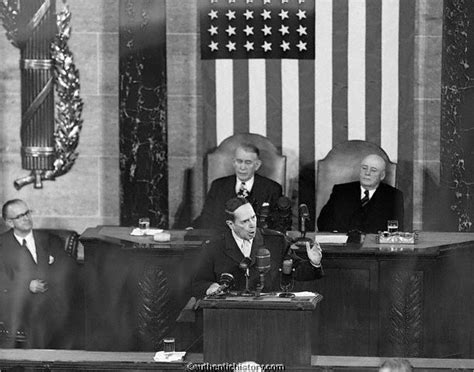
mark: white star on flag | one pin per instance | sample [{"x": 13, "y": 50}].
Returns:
[
  {"x": 284, "y": 30},
  {"x": 230, "y": 45},
  {"x": 301, "y": 14},
  {"x": 301, "y": 30},
  {"x": 248, "y": 14},
  {"x": 266, "y": 14},
  {"x": 285, "y": 45},
  {"x": 248, "y": 30},
  {"x": 267, "y": 30},
  {"x": 267, "y": 46},
  {"x": 301, "y": 45},
  {"x": 230, "y": 30},
  {"x": 231, "y": 1},
  {"x": 284, "y": 1},
  {"x": 213, "y": 14},
  {"x": 213, "y": 30},
  {"x": 230, "y": 14},
  {"x": 300, "y": 1},
  {"x": 213, "y": 46},
  {"x": 283, "y": 14},
  {"x": 249, "y": 1},
  {"x": 248, "y": 45}
]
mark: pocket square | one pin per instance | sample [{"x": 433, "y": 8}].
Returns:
[{"x": 51, "y": 260}]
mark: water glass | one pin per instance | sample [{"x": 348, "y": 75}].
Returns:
[
  {"x": 169, "y": 345},
  {"x": 392, "y": 226},
  {"x": 144, "y": 223}
]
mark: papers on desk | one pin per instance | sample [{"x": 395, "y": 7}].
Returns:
[
  {"x": 331, "y": 238},
  {"x": 139, "y": 232},
  {"x": 175, "y": 356}
]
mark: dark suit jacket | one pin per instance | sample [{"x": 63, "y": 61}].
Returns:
[
  {"x": 40, "y": 315},
  {"x": 223, "y": 189},
  {"x": 343, "y": 211},
  {"x": 222, "y": 255}
]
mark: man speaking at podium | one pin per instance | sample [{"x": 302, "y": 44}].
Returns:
[{"x": 227, "y": 252}]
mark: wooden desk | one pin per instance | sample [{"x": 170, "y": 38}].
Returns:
[{"x": 407, "y": 300}]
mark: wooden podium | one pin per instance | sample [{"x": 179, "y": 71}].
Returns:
[{"x": 265, "y": 329}]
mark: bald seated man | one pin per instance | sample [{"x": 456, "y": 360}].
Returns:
[{"x": 365, "y": 205}]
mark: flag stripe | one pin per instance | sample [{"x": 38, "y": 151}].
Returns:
[
  {"x": 274, "y": 101},
  {"x": 224, "y": 99},
  {"x": 340, "y": 60},
  {"x": 389, "y": 110},
  {"x": 290, "y": 121},
  {"x": 208, "y": 72},
  {"x": 306, "y": 187},
  {"x": 241, "y": 96},
  {"x": 373, "y": 70},
  {"x": 257, "y": 97},
  {"x": 323, "y": 79},
  {"x": 356, "y": 70}
]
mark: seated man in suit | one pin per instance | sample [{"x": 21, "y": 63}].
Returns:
[
  {"x": 365, "y": 205},
  {"x": 245, "y": 182},
  {"x": 243, "y": 239},
  {"x": 34, "y": 268}
]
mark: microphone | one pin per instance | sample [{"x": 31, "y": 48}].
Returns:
[
  {"x": 244, "y": 266},
  {"x": 226, "y": 280},
  {"x": 303, "y": 215},
  {"x": 287, "y": 280},
  {"x": 281, "y": 218},
  {"x": 263, "y": 266},
  {"x": 263, "y": 215}
]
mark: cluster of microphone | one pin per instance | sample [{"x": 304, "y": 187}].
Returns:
[{"x": 262, "y": 264}]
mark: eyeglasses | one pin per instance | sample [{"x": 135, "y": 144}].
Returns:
[{"x": 21, "y": 215}]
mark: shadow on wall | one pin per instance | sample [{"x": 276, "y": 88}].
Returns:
[
  {"x": 183, "y": 216},
  {"x": 437, "y": 199}
]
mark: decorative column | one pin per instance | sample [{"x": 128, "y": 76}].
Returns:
[{"x": 143, "y": 121}]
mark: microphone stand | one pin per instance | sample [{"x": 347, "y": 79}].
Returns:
[
  {"x": 246, "y": 292},
  {"x": 301, "y": 241},
  {"x": 260, "y": 285}
]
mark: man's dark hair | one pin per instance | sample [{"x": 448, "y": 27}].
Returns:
[
  {"x": 231, "y": 205},
  {"x": 249, "y": 147},
  {"x": 7, "y": 205}
]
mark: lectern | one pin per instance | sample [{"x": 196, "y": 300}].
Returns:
[{"x": 264, "y": 329}]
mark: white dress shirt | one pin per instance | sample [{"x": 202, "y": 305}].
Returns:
[
  {"x": 244, "y": 245},
  {"x": 362, "y": 191},
  {"x": 30, "y": 244},
  {"x": 248, "y": 184}
]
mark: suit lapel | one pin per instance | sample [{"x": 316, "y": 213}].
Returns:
[
  {"x": 41, "y": 249},
  {"x": 231, "y": 249}
]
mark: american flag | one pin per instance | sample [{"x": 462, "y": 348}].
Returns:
[
  {"x": 354, "y": 80},
  {"x": 257, "y": 29}
]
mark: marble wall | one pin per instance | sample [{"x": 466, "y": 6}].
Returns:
[{"x": 89, "y": 194}]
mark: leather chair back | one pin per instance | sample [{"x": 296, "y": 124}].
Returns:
[
  {"x": 219, "y": 162},
  {"x": 342, "y": 164}
]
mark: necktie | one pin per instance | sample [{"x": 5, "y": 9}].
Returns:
[
  {"x": 246, "y": 248},
  {"x": 365, "y": 199},
  {"x": 243, "y": 190}
]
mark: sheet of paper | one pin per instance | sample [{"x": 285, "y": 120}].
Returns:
[{"x": 331, "y": 238}]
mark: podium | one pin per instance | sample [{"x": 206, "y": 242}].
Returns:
[{"x": 265, "y": 329}]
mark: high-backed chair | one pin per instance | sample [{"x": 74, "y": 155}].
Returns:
[
  {"x": 342, "y": 164},
  {"x": 219, "y": 162}
]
